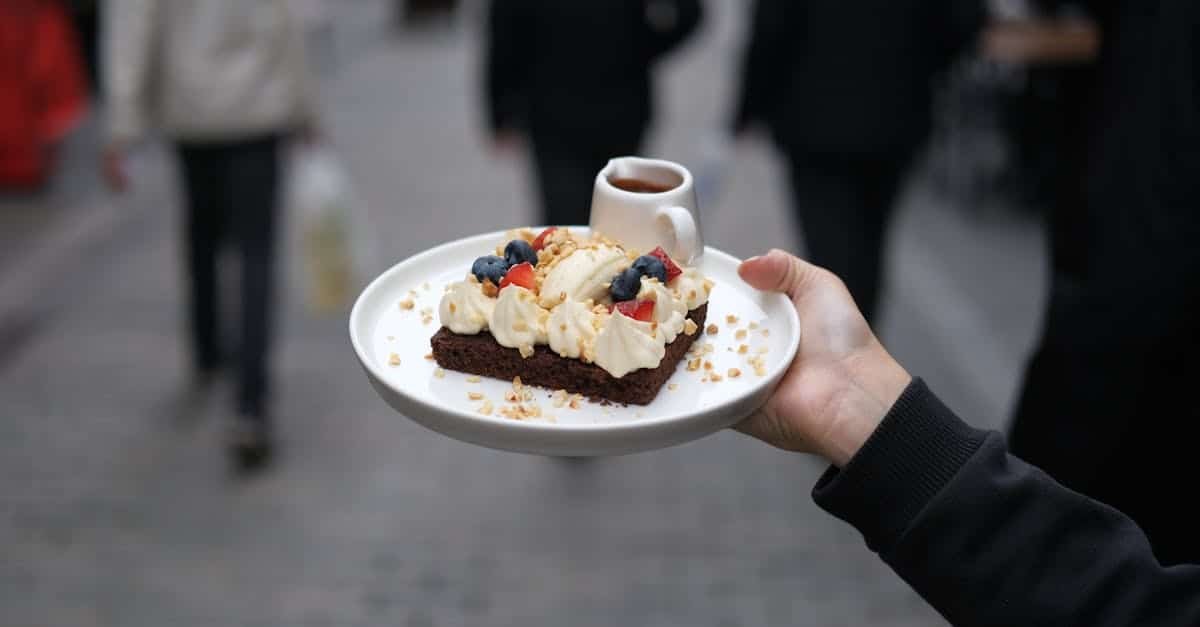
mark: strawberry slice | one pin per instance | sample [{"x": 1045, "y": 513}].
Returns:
[
  {"x": 540, "y": 240},
  {"x": 637, "y": 309},
  {"x": 672, "y": 269},
  {"x": 520, "y": 274}
]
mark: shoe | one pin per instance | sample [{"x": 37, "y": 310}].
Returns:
[{"x": 250, "y": 442}]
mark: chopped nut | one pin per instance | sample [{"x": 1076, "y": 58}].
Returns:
[
  {"x": 489, "y": 289},
  {"x": 516, "y": 383},
  {"x": 439, "y": 373},
  {"x": 693, "y": 365},
  {"x": 753, "y": 326},
  {"x": 429, "y": 356},
  {"x": 741, "y": 334},
  {"x": 574, "y": 401},
  {"x": 734, "y": 373},
  {"x": 708, "y": 365},
  {"x": 731, "y": 319},
  {"x": 393, "y": 359},
  {"x": 742, "y": 349},
  {"x": 766, "y": 332},
  {"x": 559, "y": 398},
  {"x": 711, "y": 329},
  {"x": 475, "y": 396},
  {"x": 426, "y": 319},
  {"x": 486, "y": 408},
  {"x": 689, "y": 327},
  {"x": 407, "y": 304},
  {"x": 762, "y": 350},
  {"x": 473, "y": 379},
  {"x": 562, "y": 297},
  {"x": 512, "y": 396},
  {"x": 562, "y": 327},
  {"x": 526, "y": 351},
  {"x": 672, "y": 386},
  {"x": 760, "y": 371},
  {"x": 714, "y": 377},
  {"x": 453, "y": 307}
]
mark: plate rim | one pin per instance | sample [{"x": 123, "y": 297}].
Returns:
[{"x": 535, "y": 427}]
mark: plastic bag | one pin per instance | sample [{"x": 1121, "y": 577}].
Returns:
[{"x": 322, "y": 200}]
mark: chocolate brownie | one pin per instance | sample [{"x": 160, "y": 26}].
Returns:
[{"x": 480, "y": 354}]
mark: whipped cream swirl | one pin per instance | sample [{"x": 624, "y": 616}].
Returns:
[
  {"x": 624, "y": 345},
  {"x": 572, "y": 330},
  {"x": 464, "y": 309},
  {"x": 518, "y": 321}
]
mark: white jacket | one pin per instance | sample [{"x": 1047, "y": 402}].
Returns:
[{"x": 204, "y": 69}]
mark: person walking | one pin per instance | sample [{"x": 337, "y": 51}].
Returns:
[
  {"x": 574, "y": 78},
  {"x": 844, "y": 88},
  {"x": 227, "y": 82}
]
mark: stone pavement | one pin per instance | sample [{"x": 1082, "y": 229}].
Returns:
[{"x": 115, "y": 507}]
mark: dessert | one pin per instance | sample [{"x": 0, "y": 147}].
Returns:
[{"x": 574, "y": 313}]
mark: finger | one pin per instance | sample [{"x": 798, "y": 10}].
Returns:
[{"x": 777, "y": 271}]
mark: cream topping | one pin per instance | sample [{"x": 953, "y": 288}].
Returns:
[
  {"x": 572, "y": 330},
  {"x": 669, "y": 312},
  {"x": 585, "y": 273},
  {"x": 517, "y": 320},
  {"x": 464, "y": 309},
  {"x": 692, "y": 288},
  {"x": 624, "y": 345}
]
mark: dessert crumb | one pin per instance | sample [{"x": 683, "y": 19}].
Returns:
[
  {"x": 712, "y": 329},
  {"x": 439, "y": 373},
  {"x": 693, "y": 364},
  {"x": 731, "y": 319},
  {"x": 762, "y": 350},
  {"x": 575, "y": 400},
  {"x": 559, "y": 398},
  {"x": 393, "y": 359},
  {"x": 526, "y": 351},
  {"x": 714, "y": 377},
  {"x": 407, "y": 304},
  {"x": 429, "y": 356},
  {"x": 475, "y": 396},
  {"x": 486, "y": 408},
  {"x": 740, "y": 335},
  {"x": 672, "y": 386},
  {"x": 689, "y": 327},
  {"x": 743, "y": 349},
  {"x": 708, "y": 365},
  {"x": 426, "y": 319},
  {"x": 753, "y": 326},
  {"x": 766, "y": 332},
  {"x": 734, "y": 373},
  {"x": 473, "y": 379}
]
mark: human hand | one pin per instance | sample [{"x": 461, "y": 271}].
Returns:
[
  {"x": 113, "y": 169},
  {"x": 842, "y": 381},
  {"x": 506, "y": 142}
]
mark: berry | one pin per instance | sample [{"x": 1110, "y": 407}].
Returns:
[
  {"x": 627, "y": 285},
  {"x": 489, "y": 268},
  {"x": 520, "y": 274},
  {"x": 519, "y": 251},
  {"x": 540, "y": 241},
  {"x": 672, "y": 269},
  {"x": 651, "y": 266},
  {"x": 637, "y": 309}
]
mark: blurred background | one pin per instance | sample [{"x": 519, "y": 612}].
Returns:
[{"x": 116, "y": 508}]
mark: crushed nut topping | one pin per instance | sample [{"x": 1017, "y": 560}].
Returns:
[
  {"x": 485, "y": 408},
  {"x": 473, "y": 379},
  {"x": 407, "y": 304},
  {"x": 731, "y": 319},
  {"x": 741, "y": 334},
  {"x": 393, "y": 359},
  {"x": 734, "y": 373},
  {"x": 689, "y": 327},
  {"x": 712, "y": 329},
  {"x": 475, "y": 396},
  {"x": 743, "y": 349}
]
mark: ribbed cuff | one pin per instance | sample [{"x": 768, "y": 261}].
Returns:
[{"x": 917, "y": 449}]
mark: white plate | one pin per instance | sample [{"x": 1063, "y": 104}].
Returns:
[{"x": 380, "y": 327}]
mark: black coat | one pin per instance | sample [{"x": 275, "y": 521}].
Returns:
[
  {"x": 850, "y": 77},
  {"x": 578, "y": 68},
  {"x": 988, "y": 540}
]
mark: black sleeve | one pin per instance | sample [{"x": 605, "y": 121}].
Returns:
[
  {"x": 765, "y": 61},
  {"x": 989, "y": 540},
  {"x": 506, "y": 69},
  {"x": 669, "y": 23}
]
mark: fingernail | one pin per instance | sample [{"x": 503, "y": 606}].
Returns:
[{"x": 754, "y": 258}]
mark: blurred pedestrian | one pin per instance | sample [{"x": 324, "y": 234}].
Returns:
[
  {"x": 1110, "y": 379},
  {"x": 43, "y": 89},
  {"x": 227, "y": 82},
  {"x": 844, "y": 88},
  {"x": 574, "y": 78}
]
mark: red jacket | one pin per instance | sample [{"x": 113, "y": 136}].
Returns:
[{"x": 43, "y": 92}]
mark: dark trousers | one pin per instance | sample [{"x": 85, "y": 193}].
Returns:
[
  {"x": 232, "y": 193},
  {"x": 844, "y": 206},
  {"x": 567, "y": 168}
]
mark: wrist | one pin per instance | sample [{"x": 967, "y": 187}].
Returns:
[{"x": 875, "y": 384}]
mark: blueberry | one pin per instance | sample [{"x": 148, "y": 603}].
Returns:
[
  {"x": 519, "y": 251},
  {"x": 626, "y": 286},
  {"x": 651, "y": 266},
  {"x": 489, "y": 268}
]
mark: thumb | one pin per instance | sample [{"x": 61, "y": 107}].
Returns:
[{"x": 776, "y": 271}]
